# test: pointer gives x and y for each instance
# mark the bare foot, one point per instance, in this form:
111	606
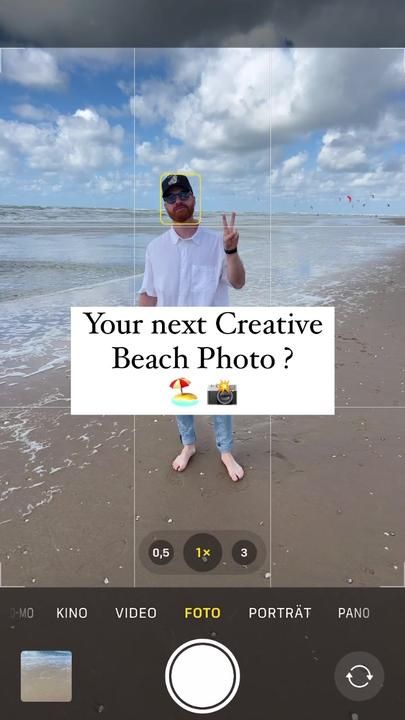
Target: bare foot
235	471
181	461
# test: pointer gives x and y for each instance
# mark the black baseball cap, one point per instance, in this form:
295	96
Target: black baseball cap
172	180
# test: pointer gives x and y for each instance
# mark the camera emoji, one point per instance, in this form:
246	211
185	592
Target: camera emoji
222	394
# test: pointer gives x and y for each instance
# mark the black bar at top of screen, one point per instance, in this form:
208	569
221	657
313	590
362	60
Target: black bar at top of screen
202	23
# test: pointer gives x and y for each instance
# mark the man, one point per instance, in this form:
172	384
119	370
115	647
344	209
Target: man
187	266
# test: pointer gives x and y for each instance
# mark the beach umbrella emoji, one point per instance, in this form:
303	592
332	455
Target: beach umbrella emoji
179	384
183	398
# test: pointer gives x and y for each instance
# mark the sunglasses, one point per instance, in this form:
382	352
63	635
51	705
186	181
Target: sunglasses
172	197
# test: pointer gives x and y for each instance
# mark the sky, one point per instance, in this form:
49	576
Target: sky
66	127
293	129
205	111
338	128
286	129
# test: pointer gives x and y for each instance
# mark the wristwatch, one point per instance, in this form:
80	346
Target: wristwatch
230	252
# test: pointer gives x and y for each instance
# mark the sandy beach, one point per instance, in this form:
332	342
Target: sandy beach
394	220
338	498
67	511
370	336
66	505
337	482
203	498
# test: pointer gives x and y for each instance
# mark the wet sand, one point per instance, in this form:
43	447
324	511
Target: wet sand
394	220
50	388
338	482
202	498
66	503
338	499
67	507
370	336
67	512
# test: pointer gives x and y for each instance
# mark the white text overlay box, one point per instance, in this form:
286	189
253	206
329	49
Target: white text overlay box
203	360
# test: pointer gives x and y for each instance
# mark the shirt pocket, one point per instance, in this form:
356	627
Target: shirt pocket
204	283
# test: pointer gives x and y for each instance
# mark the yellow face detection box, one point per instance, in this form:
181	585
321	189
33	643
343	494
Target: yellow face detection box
164	220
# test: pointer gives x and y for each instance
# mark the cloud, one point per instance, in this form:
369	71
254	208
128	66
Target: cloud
33	68
211	112
154	101
61	144
76	143
343	152
293	163
314	88
163	155
113	111
7	160
126	87
36	114
49	69
111	183
227	109
344	109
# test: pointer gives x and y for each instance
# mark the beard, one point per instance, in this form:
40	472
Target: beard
181	213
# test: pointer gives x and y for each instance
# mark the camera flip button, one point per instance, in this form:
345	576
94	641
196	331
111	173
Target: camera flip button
359	676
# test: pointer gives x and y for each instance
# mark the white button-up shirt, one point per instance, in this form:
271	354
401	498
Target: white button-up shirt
186	272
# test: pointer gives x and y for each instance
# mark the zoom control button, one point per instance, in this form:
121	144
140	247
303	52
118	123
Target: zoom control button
161	552
202	552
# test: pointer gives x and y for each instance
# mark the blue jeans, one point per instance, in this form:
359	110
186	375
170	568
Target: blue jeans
222	426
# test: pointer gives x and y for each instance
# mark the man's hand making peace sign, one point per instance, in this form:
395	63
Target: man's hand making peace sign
231	235
234	265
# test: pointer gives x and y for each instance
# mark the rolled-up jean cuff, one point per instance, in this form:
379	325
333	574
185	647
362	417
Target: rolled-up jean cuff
185	424
223	432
